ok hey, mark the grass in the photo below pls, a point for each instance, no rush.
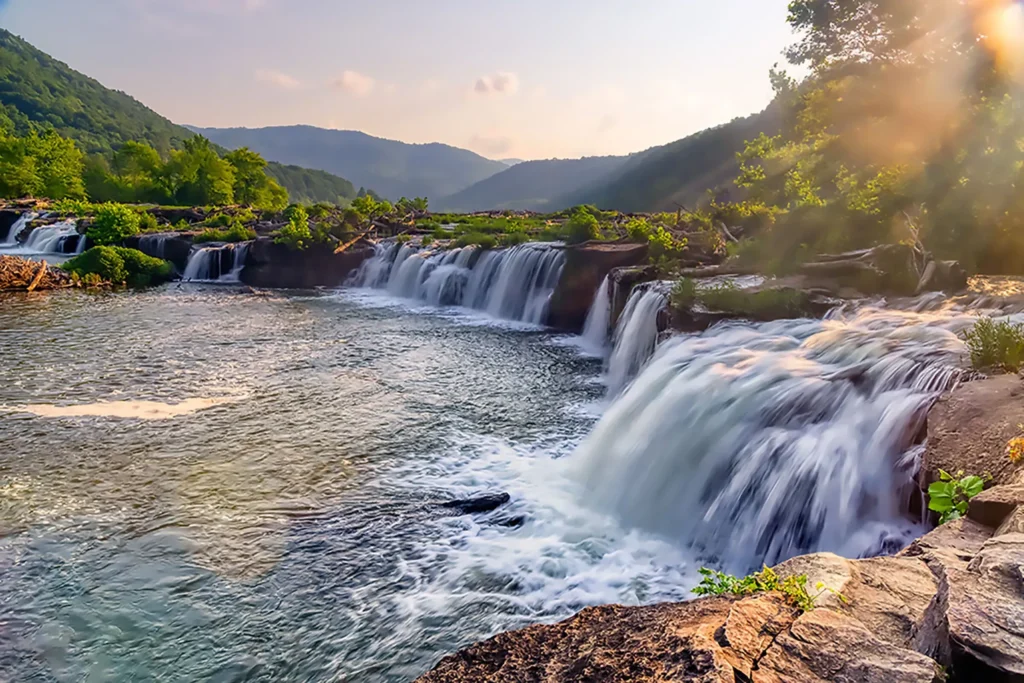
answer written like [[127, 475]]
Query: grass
[[236, 233], [996, 345]]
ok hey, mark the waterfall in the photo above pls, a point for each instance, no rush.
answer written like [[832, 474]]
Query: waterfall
[[595, 330], [154, 245], [515, 283], [16, 229], [54, 239], [216, 263], [755, 443], [636, 335]]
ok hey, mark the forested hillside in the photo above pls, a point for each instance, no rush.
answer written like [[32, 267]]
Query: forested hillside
[[39, 92], [393, 169], [532, 185]]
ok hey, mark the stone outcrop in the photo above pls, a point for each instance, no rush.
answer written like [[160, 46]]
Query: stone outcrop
[[586, 265], [276, 266], [170, 246], [949, 607]]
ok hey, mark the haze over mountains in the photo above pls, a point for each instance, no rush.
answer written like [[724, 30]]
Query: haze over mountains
[[316, 164]]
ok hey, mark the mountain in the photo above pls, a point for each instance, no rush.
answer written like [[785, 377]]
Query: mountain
[[511, 162], [681, 172], [533, 185], [393, 169], [37, 90]]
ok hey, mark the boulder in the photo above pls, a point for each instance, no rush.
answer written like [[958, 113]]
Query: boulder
[[623, 280], [586, 266], [994, 506], [276, 266], [485, 503]]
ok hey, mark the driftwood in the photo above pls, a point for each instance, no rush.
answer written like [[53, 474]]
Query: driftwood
[[348, 244], [39, 276]]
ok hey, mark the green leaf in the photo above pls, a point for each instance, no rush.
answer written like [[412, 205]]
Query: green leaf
[[972, 486], [945, 476], [940, 497]]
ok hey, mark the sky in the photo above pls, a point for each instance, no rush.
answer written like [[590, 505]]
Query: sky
[[528, 79]]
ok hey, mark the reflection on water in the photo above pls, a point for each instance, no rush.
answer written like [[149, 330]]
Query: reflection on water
[[276, 524]]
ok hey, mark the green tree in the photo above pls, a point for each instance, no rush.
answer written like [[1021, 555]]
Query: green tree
[[296, 234], [197, 175], [252, 185], [113, 223]]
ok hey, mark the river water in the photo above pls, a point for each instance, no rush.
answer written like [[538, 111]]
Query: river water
[[202, 484]]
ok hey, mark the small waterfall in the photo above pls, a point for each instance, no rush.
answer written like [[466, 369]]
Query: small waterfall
[[755, 443], [595, 330], [216, 263], [11, 240], [154, 245], [636, 335], [515, 283], [55, 239]]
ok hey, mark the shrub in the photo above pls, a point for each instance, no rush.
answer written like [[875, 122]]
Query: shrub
[[581, 227], [477, 238], [665, 245], [766, 580], [236, 233], [995, 344], [403, 238], [951, 496], [510, 239], [112, 224], [440, 233], [427, 240], [684, 294], [765, 304], [296, 234], [117, 265], [148, 222], [638, 229], [72, 207]]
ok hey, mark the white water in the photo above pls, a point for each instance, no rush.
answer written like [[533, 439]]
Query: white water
[[595, 330], [752, 444], [154, 245], [47, 239], [205, 263], [514, 284], [11, 240], [636, 335]]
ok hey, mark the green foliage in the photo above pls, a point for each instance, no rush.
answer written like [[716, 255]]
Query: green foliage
[[951, 495], [403, 238], [46, 165], [581, 227], [764, 581], [148, 222], [113, 223], [996, 344], [406, 206], [683, 295], [296, 234], [510, 239], [427, 240], [639, 229], [480, 239], [371, 207], [664, 245], [764, 304], [73, 207], [252, 186], [237, 232], [119, 265]]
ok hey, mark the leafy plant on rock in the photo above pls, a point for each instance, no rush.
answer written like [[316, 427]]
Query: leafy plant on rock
[[996, 344], [113, 223], [765, 581], [951, 495]]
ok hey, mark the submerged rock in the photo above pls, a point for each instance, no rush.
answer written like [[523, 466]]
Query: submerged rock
[[485, 503]]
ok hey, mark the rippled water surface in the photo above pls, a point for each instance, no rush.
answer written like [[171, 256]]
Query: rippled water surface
[[201, 484]]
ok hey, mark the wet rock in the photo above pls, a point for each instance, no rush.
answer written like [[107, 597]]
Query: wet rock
[[170, 246], [274, 265], [586, 265], [471, 506], [510, 522], [623, 280]]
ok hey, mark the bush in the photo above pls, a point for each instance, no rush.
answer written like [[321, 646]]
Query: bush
[[296, 234], [510, 239], [581, 227], [148, 222], [684, 294], [112, 224], [638, 230], [236, 233], [477, 238], [427, 240], [998, 345], [951, 496], [403, 238], [764, 581], [765, 304], [119, 264], [72, 207]]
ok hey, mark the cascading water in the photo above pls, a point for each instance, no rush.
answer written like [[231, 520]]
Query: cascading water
[[55, 239], [154, 245], [752, 444], [595, 330], [515, 283], [11, 240], [636, 335], [217, 263]]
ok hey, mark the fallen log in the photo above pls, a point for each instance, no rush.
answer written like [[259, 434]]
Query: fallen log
[[39, 276]]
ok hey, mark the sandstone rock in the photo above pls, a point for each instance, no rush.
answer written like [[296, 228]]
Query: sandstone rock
[[963, 536], [623, 281], [750, 629], [823, 645], [586, 265], [276, 266], [610, 644], [1014, 524], [986, 618], [992, 506]]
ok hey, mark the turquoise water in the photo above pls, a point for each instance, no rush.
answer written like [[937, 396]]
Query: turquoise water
[[277, 520]]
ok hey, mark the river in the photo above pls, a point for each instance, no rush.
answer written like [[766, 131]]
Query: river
[[202, 484]]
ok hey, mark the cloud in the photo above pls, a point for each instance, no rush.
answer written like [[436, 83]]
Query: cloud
[[354, 83], [501, 83], [490, 145], [278, 78], [607, 122], [430, 86]]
